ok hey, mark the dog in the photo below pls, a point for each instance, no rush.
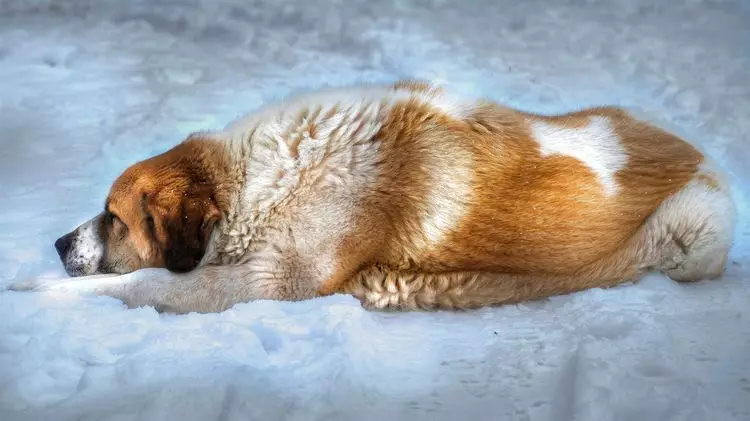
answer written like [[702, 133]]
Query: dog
[[407, 198]]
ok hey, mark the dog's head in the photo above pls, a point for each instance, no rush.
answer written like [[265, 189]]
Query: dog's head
[[159, 213]]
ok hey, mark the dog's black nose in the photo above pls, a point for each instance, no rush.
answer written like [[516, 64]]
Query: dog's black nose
[[62, 245]]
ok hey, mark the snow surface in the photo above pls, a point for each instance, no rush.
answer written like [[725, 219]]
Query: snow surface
[[89, 87]]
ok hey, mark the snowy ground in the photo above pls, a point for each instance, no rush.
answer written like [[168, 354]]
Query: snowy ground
[[87, 88]]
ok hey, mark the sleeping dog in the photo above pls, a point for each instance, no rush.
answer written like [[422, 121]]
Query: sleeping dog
[[407, 198]]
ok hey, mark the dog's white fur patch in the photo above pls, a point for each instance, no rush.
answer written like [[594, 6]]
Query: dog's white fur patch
[[450, 190], [86, 250], [597, 146], [287, 148]]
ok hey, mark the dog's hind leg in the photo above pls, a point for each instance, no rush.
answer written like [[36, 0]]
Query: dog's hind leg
[[694, 228], [382, 288]]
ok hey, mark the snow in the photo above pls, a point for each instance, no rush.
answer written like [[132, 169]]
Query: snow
[[87, 88]]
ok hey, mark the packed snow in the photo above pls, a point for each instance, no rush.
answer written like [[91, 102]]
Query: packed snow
[[88, 88]]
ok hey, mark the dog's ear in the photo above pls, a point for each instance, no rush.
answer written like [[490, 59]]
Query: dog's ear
[[189, 229]]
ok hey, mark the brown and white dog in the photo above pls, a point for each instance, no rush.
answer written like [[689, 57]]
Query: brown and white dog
[[406, 198]]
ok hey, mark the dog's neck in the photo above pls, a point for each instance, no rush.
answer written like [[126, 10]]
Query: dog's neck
[[234, 164]]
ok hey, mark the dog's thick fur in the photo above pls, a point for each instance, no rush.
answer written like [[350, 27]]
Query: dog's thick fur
[[406, 198]]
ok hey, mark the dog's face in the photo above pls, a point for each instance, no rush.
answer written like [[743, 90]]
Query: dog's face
[[159, 213]]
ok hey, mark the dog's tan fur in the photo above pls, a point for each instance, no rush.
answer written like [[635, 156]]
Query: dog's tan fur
[[407, 198]]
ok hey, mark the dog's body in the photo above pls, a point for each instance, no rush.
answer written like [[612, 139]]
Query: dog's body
[[406, 198]]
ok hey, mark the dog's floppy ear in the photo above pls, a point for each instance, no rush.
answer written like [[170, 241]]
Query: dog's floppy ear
[[189, 230]]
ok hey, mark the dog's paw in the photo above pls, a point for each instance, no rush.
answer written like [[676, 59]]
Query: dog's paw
[[79, 285], [21, 286], [36, 284]]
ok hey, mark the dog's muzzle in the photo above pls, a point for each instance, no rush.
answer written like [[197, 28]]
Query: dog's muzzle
[[81, 250]]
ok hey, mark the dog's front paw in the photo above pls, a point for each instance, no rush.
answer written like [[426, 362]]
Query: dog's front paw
[[38, 284], [85, 284], [26, 285]]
